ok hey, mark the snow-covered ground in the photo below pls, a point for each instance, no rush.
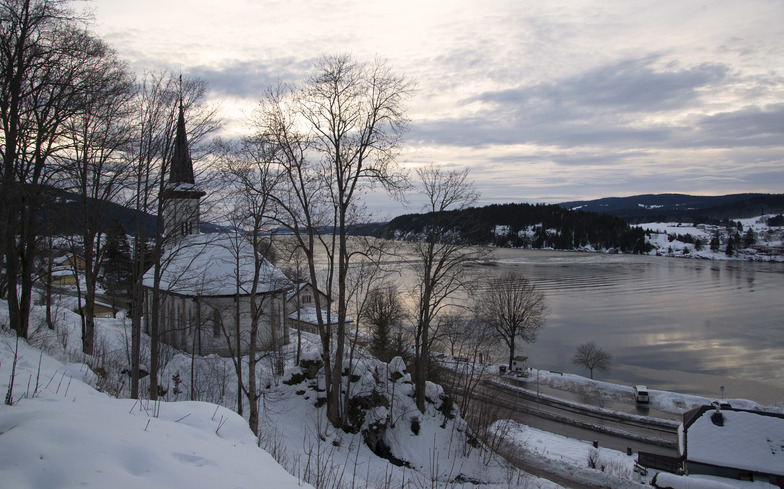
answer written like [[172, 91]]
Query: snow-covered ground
[[62, 432], [666, 401], [665, 239]]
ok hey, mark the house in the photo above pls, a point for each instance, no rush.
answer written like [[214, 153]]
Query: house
[[306, 318], [100, 310], [206, 280], [302, 315], [303, 296], [71, 261], [64, 269], [733, 443]]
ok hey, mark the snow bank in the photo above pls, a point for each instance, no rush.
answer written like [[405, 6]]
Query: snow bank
[[60, 432]]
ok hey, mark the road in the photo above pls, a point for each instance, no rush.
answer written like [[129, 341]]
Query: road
[[493, 400], [610, 429]]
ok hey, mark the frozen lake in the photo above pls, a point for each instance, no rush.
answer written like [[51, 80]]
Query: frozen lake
[[685, 325]]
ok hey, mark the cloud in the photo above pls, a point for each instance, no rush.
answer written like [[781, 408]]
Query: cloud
[[249, 79], [621, 107], [749, 126], [630, 85]]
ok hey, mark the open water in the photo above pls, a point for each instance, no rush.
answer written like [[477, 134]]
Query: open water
[[685, 325]]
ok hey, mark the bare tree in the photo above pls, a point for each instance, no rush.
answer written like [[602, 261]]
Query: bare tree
[[469, 344], [442, 259], [44, 57], [253, 179], [592, 356], [96, 166], [337, 135], [513, 307]]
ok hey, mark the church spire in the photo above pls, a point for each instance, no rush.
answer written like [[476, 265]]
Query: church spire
[[181, 163], [181, 195]]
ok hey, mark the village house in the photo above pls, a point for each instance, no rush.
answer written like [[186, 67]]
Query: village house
[[303, 314], [64, 270], [732, 443], [206, 280]]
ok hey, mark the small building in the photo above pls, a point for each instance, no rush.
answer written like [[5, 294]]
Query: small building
[[303, 296], [306, 319], [519, 364], [71, 261], [64, 270], [100, 310], [733, 443]]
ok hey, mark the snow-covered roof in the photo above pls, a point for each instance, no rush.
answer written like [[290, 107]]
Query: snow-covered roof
[[206, 265], [309, 315], [744, 440]]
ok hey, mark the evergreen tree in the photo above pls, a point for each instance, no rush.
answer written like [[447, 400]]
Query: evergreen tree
[[715, 243], [749, 238], [383, 311], [117, 260]]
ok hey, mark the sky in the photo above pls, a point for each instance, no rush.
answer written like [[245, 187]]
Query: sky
[[543, 101]]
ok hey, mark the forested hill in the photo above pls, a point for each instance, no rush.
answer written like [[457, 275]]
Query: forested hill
[[683, 208], [529, 226]]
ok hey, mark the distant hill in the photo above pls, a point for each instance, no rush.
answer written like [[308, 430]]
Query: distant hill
[[65, 216], [682, 208], [528, 226], [603, 224]]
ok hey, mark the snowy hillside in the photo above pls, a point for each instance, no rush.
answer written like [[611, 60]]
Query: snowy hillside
[[124, 443], [60, 432], [749, 239]]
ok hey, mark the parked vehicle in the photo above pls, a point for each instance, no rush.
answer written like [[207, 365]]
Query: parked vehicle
[[641, 394]]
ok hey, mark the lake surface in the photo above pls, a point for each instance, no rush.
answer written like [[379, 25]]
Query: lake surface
[[686, 325]]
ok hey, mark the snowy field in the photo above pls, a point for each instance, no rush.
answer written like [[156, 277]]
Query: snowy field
[[601, 466]]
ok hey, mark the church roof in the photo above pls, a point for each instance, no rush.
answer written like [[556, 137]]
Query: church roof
[[206, 265]]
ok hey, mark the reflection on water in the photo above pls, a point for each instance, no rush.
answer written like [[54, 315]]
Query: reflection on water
[[686, 325]]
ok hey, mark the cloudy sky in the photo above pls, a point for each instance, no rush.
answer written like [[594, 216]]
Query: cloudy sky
[[543, 101]]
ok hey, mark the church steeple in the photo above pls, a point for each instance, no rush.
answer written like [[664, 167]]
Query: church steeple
[[181, 164], [181, 195]]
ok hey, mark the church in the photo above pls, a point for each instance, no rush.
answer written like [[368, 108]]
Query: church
[[206, 279]]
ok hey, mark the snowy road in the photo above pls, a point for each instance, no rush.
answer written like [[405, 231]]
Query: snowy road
[[505, 402], [611, 429]]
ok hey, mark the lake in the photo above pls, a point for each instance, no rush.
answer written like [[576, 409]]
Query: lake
[[685, 325]]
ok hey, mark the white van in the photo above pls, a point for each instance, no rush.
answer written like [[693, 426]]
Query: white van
[[641, 394]]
